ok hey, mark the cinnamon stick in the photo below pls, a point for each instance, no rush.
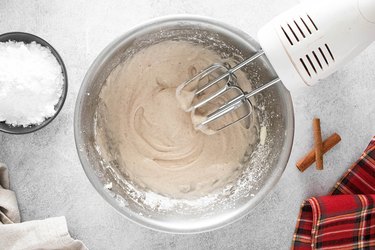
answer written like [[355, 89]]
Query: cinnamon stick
[[318, 144], [309, 158]]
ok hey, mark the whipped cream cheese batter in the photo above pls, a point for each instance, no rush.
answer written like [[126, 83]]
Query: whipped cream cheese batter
[[142, 127]]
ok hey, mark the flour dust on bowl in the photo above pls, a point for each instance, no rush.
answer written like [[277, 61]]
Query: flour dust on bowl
[[132, 138]]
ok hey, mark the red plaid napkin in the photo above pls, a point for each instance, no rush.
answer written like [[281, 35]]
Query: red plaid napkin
[[346, 218]]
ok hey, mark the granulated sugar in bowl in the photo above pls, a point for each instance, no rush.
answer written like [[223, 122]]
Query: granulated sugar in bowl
[[31, 83]]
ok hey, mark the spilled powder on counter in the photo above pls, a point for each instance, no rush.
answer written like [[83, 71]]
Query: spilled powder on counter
[[31, 83]]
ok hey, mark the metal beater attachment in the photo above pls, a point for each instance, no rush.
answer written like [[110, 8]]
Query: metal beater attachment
[[215, 99]]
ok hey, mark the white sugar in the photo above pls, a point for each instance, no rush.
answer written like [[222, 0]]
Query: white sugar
[[31, 83]]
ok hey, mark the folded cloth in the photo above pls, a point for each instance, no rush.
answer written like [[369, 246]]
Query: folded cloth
[[50, 233], [346, 218], [9, 212]]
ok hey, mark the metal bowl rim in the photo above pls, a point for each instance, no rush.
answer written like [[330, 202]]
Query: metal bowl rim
[[151, 223]]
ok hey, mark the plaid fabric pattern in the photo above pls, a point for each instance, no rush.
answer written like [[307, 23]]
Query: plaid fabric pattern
[[345, 219]]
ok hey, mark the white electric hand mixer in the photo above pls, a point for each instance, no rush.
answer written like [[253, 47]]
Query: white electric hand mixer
[[305, 44]]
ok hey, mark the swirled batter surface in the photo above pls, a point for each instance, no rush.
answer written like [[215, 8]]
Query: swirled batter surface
[[142, 127]]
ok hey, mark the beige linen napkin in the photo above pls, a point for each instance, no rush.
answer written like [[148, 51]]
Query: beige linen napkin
[[51, 233]]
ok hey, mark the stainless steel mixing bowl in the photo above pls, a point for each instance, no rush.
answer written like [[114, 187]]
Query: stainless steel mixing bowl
[[263, 169]]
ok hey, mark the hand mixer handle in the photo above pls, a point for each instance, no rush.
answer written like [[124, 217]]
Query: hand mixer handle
[[315, 38]]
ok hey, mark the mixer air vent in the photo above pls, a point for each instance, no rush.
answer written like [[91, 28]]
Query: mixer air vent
[[299, 28], [319, 60]]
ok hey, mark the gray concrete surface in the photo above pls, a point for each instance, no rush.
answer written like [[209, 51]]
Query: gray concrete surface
[[44, 166]]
